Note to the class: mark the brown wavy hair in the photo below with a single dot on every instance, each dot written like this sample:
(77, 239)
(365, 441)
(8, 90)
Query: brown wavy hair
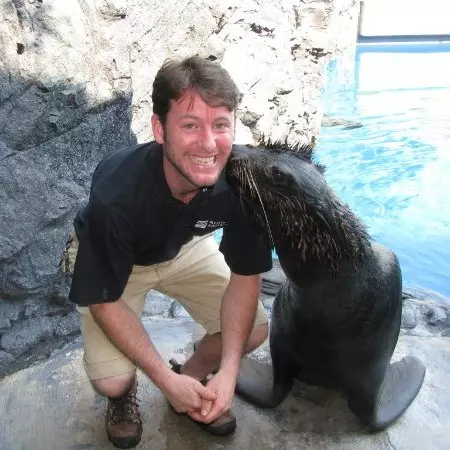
(209, 79)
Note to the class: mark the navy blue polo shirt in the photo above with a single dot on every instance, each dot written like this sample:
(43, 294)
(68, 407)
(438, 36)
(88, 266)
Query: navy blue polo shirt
(132, 218)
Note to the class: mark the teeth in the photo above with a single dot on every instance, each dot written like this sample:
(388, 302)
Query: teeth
(204, 161)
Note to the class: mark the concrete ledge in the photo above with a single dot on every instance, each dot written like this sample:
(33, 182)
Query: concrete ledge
(52, 406)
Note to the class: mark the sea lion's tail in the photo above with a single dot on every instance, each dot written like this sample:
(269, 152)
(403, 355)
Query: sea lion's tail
(400, 387)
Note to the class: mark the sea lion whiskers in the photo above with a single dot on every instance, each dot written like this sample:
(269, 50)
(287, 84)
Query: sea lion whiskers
(251, 181)
(304, 212)
(304, 234)
(248, 190)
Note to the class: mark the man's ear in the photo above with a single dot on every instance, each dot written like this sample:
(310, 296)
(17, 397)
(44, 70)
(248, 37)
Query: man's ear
(158, 129)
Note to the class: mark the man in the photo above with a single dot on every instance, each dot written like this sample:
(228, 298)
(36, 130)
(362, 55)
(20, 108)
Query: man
(147, 226)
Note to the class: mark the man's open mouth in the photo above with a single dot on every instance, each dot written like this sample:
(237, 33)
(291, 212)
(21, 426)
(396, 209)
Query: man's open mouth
(209, 161)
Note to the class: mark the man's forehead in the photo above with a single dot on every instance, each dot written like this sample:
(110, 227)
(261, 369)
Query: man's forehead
(191, 99)
(187, 95)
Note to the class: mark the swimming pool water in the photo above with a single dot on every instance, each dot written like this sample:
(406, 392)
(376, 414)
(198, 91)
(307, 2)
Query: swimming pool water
(394, 170)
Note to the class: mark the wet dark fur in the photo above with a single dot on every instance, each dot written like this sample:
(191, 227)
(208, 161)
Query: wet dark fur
(336, 320)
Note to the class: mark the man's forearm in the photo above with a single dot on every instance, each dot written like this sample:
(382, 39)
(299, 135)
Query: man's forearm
(125, 330)
(237, 317)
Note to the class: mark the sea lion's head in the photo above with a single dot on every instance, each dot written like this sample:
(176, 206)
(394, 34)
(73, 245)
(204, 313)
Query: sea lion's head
(288, 197)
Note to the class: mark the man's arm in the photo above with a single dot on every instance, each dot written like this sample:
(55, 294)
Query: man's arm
(237, 317)
(125, 330)
(238, 311)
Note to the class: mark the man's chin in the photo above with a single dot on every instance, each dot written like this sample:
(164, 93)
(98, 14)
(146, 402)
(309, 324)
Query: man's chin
(206, 181)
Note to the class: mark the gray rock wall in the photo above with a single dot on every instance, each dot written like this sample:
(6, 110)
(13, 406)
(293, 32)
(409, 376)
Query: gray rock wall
(64, 105)
(75, 85)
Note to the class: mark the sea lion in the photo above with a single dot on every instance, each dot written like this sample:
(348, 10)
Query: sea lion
(336, 320)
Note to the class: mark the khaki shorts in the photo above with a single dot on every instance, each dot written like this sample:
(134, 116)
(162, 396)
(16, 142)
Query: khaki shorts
(197, 277)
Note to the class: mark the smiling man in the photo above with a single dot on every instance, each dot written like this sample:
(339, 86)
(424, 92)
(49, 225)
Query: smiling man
(148, 225)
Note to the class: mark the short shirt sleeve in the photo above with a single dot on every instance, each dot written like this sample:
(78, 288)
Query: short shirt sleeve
(244, 249)
(105, 255)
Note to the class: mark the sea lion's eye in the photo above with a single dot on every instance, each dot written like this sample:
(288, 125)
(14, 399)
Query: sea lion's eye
(278, 176)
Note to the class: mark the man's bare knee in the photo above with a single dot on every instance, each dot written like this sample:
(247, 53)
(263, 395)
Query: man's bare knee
(114, 386)
(257, 337)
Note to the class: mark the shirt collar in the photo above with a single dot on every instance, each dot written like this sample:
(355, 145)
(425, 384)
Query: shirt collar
(220, 186)
(157, 172)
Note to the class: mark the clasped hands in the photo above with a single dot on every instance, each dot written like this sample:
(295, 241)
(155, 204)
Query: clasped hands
(202, 403)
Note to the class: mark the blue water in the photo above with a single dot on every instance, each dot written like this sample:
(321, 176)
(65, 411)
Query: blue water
(394, 171)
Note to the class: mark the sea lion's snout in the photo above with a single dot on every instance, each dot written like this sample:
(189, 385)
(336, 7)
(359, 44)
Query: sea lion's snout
(238, 163)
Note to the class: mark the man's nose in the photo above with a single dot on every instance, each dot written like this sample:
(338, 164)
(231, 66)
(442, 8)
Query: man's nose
(208, 140)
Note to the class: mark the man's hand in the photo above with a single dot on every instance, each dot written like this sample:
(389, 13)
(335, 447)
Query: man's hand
(223, 386)
(186, 394)
(238, 310)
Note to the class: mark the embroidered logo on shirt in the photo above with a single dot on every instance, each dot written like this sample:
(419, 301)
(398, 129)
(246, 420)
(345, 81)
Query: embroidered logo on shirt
(204, 224)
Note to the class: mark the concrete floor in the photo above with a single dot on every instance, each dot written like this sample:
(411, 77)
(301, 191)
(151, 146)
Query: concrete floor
(52, 406)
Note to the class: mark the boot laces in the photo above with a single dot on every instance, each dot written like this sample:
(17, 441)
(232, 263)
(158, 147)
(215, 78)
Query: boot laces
(125, 408)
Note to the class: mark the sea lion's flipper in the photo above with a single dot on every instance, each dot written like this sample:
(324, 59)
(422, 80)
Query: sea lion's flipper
(264, 385)
(400, 386)
(254, 382)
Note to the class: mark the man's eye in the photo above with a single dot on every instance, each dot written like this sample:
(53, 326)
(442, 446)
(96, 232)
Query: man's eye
(189, 125)
(222, 125)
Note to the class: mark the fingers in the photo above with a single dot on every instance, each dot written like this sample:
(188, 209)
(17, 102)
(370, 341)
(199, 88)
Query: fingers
(206, 393)
(196, 415)
(202, 403)
(215, 412)
(206, 407)
(189, 394)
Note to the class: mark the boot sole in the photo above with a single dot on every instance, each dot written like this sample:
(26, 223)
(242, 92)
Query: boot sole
(125, 442)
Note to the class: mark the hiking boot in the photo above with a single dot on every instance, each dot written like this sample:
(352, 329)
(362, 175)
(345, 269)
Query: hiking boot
(223, 425)
(123, 422)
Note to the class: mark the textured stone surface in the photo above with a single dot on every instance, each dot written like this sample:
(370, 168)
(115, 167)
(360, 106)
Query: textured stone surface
(157, 304)
(177, 311)
(6, 358)
(276, 53)
(410, 317)
(24, 335)
(61, 111)
(64, 105)
(52, 406)
(10, 312)
(432, 317)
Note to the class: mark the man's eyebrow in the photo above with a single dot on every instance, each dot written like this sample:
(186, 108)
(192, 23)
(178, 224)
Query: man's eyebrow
(193, 116)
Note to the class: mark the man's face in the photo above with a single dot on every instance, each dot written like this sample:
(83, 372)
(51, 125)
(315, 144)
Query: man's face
(197, 140)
